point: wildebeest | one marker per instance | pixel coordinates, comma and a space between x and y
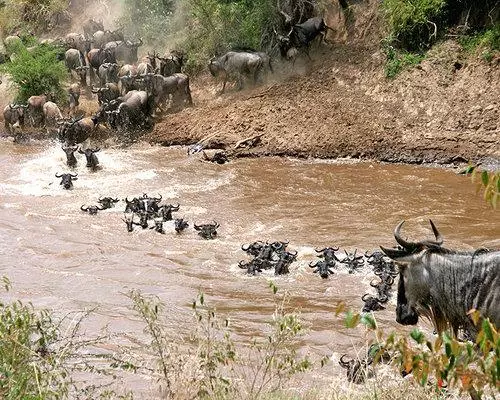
34, 110
101, 37
108, 73
73, 98
91, 26
301, 35
75, 62
92, 161
129, 220
124, 50
97, 57
180, 224
373, 303
174, 87
207, 231
51, 114
133, 113
13, 114
107, 93
70, 155
236, 65
323, 268
92, 210
158, 227
77, 131
107, 202
444, 285
67, 180
357, 370
77, 41
171, 63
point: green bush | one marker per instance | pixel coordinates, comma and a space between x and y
32, 15
414, 24
37, 71
398, 60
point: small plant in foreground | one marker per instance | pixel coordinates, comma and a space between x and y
489, 181
469, 367
39, 354
219, 367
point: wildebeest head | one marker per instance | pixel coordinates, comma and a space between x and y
373, 303
322, 268
92, 210
180, 224
107, 202
357, 370
411, 253
67, 180
92, 161
70, 155
207, 231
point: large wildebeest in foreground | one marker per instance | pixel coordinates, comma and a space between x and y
236, 65
444, 285
133, 113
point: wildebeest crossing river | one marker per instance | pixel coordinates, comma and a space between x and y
62, 258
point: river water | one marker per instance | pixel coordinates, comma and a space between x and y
62, 258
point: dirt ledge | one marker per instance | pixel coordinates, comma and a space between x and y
444, 111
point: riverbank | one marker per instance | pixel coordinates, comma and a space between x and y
445, 110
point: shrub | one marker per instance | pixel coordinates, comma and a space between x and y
218, 368
398, 60
37, 71
413, 24
444, 360
32, 15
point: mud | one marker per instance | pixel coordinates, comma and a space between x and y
446, 110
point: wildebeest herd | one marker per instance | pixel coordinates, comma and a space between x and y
133, 92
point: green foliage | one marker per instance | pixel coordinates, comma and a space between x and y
37, 71
31, 15
398, 60
489, 182
469, 367
487, 42
216, 26
220, 368
413, 23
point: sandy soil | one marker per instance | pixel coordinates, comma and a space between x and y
341, 105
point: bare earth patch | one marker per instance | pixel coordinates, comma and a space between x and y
341, 105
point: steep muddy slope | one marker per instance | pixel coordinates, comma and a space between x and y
341, 105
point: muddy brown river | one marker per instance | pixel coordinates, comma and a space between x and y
62, 258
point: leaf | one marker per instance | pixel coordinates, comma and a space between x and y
417, 336
475, 315
485, 178
369, 321
340, 308
487, 329
351, 319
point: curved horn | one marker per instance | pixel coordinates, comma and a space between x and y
216, 224
372, 285
343, 363
439, 239
73, 176
83, 209
363, 297
320, 251
243, 247
197, 227
58, 176
313, 265
393, 253
390, 280
80, 151
293, 254
400, 240
383, 299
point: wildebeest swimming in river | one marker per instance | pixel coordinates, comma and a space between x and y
444, 285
